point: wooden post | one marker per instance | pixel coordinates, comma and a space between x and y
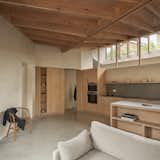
127, 49
99, 64
117, 54
139, 51
148, 44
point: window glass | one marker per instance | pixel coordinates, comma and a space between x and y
126, 51
95, 54
133, 49
114, 53
110, 54
144, 46
103, 55
123, 51
154, 42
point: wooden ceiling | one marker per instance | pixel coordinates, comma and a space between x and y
69, 24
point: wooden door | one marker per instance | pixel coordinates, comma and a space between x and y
55, 91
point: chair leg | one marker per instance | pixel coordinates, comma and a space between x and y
15, 131
8, 129
30, 127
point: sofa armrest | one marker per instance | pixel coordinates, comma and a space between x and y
56, 155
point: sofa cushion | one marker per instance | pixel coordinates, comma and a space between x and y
123, 145
76, 147
97, 155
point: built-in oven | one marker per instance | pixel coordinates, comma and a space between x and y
92, 93
92, 97
92, 86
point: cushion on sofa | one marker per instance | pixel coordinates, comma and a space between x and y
76, 147
97, 155
124, 145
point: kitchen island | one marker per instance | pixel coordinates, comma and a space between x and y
147, 124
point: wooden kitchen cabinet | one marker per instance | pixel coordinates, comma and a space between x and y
49, 91
83, 78
104, 106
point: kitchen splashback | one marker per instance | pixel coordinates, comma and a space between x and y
134, 90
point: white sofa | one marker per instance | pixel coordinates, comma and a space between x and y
108, 143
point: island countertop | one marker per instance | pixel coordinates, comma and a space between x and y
137, 105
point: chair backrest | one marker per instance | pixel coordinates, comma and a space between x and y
23, 112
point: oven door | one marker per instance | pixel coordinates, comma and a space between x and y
92, 87
92, 98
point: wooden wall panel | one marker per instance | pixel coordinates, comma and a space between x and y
79, 90
55, 91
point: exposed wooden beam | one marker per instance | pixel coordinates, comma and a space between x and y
77, 31
129, 1
121, 28
149, 18
154, 9
38, 31
111, 35
95, 44
63, 37
87, 8
138, 22
102, 36
122, 34
51, 40
58, 29
108, 41
62, 47
29, 14
116, 20
89, 22
52, 35
119, 32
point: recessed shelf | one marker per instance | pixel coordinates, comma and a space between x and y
148, 123
139, 122
43, 91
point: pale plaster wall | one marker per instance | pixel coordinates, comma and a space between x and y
15, 50
48, 56
18, 58
86, 59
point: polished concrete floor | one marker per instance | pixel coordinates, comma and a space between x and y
40, 144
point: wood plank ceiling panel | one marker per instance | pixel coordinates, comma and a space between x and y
87, 23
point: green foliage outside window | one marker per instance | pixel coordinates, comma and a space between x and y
129, 50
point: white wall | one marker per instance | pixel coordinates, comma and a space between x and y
18, 58
15, 50
86, 59
48, 56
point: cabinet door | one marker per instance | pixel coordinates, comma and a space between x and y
55, 91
